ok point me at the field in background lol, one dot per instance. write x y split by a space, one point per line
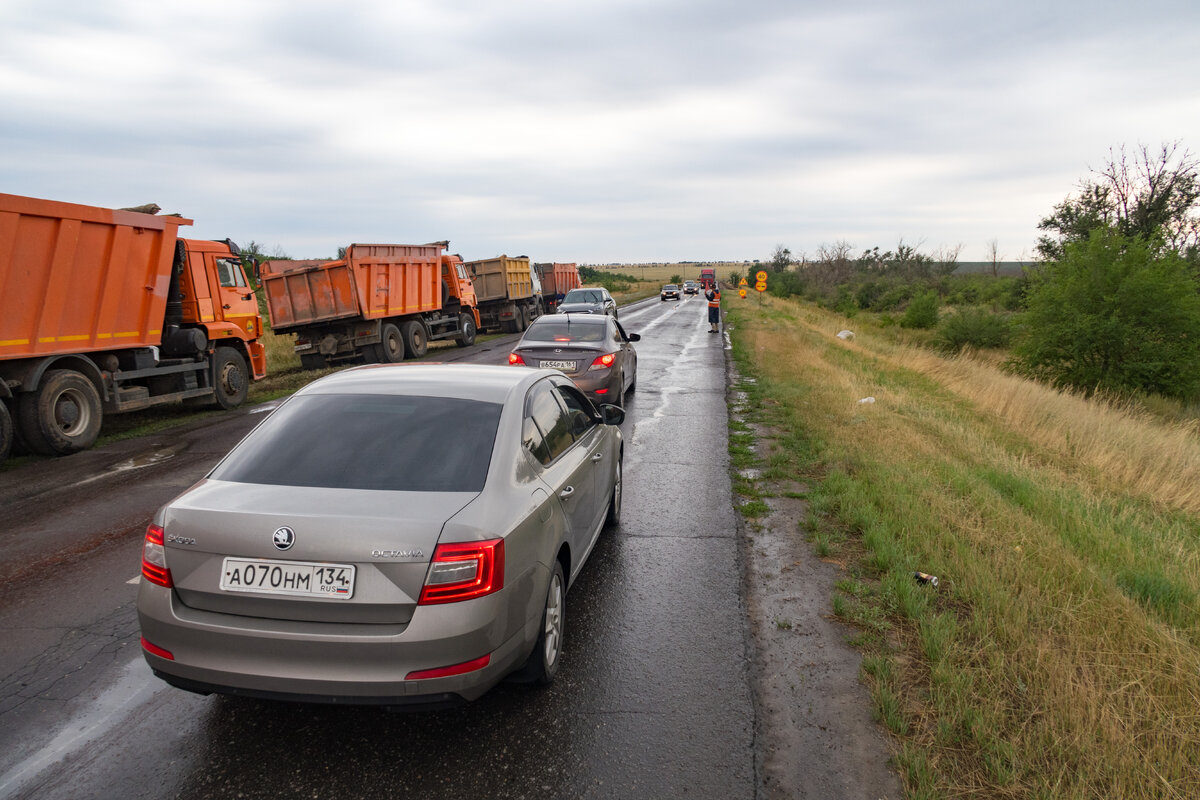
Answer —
1059 656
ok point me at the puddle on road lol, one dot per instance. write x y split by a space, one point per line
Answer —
141 460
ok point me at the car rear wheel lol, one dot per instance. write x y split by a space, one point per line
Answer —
614 506
543 662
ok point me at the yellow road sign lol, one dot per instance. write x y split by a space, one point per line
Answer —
741 292
761 277
743 282
761 286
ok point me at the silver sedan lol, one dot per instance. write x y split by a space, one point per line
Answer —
393 534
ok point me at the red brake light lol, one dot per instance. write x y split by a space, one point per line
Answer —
515 360
455 669
604 361
155 650
464 571
154 558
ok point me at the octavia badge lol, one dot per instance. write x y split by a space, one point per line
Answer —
284 538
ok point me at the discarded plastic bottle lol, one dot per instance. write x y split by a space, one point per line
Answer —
925 578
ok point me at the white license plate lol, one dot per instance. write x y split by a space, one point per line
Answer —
299 578
565 366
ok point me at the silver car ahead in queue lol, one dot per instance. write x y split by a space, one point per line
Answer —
393 534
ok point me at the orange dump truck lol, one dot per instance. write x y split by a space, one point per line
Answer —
557 280
379 304
105 311
509 295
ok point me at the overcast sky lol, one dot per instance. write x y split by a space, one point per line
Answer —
621 130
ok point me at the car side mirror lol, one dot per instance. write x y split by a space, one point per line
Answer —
612 415
634 337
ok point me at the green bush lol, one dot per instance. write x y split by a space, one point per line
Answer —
922 312
1116 314
973 327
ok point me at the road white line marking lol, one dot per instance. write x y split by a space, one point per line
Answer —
134 686
135 580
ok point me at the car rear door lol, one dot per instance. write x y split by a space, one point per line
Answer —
567 466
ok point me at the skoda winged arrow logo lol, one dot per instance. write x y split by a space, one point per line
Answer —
284 538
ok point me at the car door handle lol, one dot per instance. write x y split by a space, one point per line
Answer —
597 456
567 492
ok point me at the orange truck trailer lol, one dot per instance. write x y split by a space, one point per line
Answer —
508 293
379 304
557 280
104 311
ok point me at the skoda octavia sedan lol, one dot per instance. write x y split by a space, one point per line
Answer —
392 534
588 301
594 352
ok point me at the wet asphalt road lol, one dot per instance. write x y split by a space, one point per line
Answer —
653 698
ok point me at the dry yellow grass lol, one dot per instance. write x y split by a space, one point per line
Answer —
1066 535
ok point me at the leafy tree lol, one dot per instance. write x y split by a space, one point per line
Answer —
972 327
1115 313
676 279
922 312
1148 194
781 259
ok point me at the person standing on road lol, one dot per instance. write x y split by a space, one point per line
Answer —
713 295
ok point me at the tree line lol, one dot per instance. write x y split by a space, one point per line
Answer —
1110 303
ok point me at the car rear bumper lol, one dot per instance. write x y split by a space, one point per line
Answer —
338 663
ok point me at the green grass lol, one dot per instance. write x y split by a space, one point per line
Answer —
1060 654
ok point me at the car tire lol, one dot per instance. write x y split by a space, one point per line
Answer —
614 506
416 339
63 416
542 665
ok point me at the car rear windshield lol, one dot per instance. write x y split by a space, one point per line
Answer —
384 442
583 296
553 330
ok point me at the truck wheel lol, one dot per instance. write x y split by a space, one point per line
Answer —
522 322
416 339
63 416
466 327
232 379
312 361
7 434
391 344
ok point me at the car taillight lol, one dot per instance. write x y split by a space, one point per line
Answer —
464 571
154 649
604 361
154 558
453 669
515 360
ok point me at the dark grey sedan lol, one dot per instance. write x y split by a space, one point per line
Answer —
593 351
588 301
393 534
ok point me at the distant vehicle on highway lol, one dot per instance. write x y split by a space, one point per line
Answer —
588 301
391 535
691 287
669 292
594 351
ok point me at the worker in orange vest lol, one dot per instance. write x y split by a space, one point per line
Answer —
713 296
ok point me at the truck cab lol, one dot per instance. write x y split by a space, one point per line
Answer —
458 285
218 297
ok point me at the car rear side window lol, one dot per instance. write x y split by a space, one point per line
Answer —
552 420
383 442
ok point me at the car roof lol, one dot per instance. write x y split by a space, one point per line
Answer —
481 382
